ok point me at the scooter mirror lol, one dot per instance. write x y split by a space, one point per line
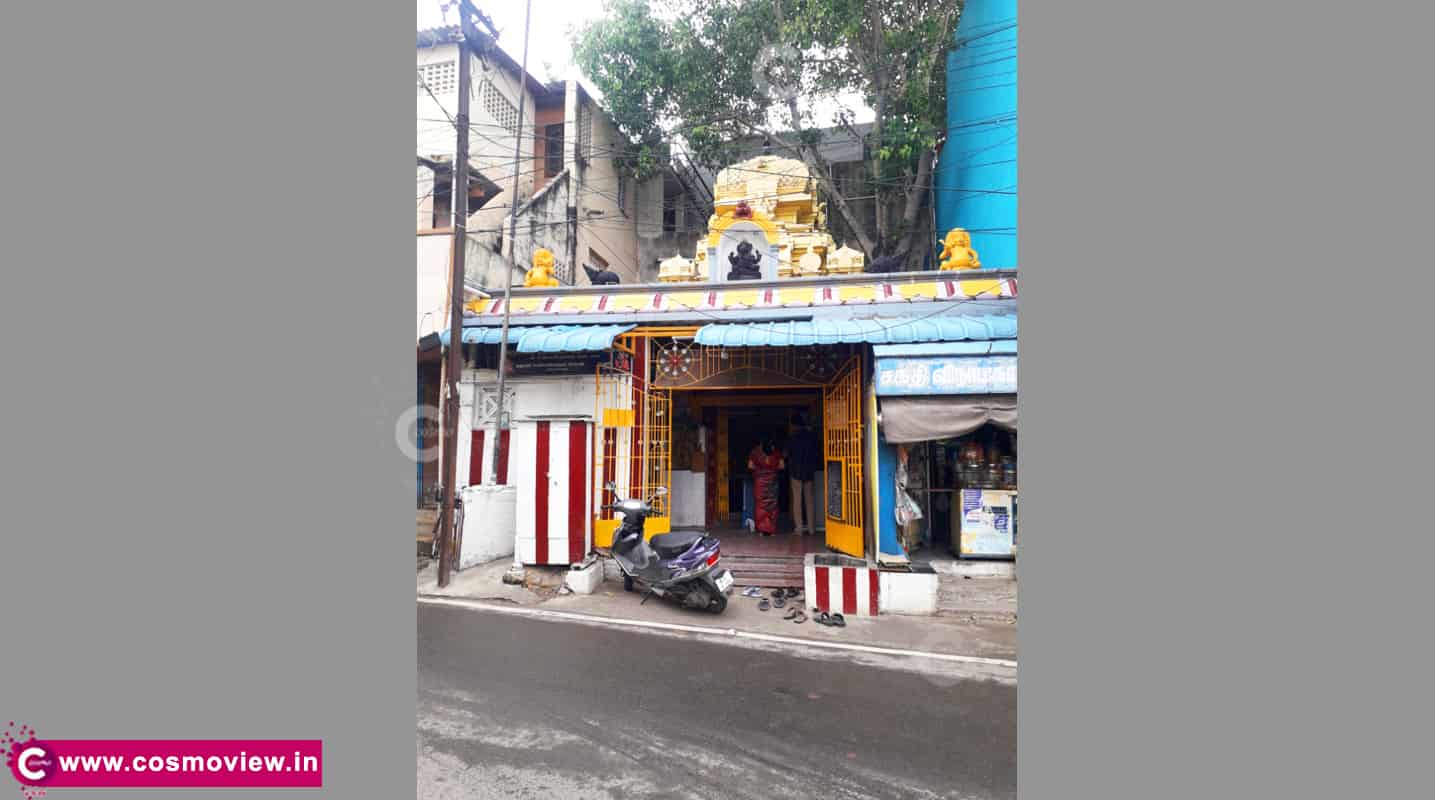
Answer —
660 491
610 486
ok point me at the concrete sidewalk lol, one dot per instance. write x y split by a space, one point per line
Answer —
981 622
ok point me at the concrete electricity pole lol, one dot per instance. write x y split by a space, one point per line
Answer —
453 365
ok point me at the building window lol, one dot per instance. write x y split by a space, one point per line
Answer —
498 107
670 217
585 131
552 150
440 78
442 199
441 195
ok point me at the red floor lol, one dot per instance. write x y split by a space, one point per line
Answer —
738 541
766 561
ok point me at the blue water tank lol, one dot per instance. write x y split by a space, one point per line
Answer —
976 177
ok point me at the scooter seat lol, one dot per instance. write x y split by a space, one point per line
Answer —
672 545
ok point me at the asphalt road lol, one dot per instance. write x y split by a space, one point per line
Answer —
518 707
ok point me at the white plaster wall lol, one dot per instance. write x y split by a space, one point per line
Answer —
432 283
906 593
489 523
566 396
490 146
603 225
689 499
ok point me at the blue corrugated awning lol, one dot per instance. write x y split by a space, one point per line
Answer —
546 338
851 331
570 338
998 347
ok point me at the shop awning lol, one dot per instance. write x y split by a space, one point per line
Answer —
920 419
570 338
999 347
853 331
546 338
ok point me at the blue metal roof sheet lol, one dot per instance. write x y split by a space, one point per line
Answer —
871 331
546 338
570 339
993 348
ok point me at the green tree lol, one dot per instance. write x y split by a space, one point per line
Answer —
715 72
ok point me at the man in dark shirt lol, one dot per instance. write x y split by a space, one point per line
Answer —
804 459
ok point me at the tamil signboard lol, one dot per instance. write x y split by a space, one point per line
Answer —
555 363
947 375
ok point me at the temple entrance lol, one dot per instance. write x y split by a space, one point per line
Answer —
715 435
695 418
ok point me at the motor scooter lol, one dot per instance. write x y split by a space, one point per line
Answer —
680 565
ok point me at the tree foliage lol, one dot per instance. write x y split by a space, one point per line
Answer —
715 73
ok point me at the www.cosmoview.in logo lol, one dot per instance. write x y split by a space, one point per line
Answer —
159 763
35 762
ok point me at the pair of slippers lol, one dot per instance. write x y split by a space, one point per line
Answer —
833 620
779 598
796 615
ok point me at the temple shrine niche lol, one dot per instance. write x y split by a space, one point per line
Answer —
769 204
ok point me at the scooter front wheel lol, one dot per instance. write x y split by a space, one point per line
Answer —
627 583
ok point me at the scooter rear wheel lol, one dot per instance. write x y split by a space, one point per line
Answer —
718 604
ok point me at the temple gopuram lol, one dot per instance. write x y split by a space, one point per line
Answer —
770 204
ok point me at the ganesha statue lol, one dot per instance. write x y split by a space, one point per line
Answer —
542 272
744 263
957 252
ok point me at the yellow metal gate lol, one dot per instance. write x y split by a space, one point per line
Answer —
842 459
655 443
632 448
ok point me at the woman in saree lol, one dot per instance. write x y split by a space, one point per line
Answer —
765 462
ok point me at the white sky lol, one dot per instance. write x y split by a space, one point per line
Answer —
549 54
549 51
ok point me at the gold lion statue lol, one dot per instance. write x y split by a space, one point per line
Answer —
542 272
957 252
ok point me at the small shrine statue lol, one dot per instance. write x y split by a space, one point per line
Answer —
744 263
957 252
677 270
601 277
542 272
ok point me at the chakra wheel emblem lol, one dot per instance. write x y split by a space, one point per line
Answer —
675 361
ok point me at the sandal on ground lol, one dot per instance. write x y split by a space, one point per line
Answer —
822 618
799 617
792 612
779 603
778 592
793 591
838 621
763 605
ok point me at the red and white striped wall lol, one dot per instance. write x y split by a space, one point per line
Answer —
479 455
550 461
843 588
